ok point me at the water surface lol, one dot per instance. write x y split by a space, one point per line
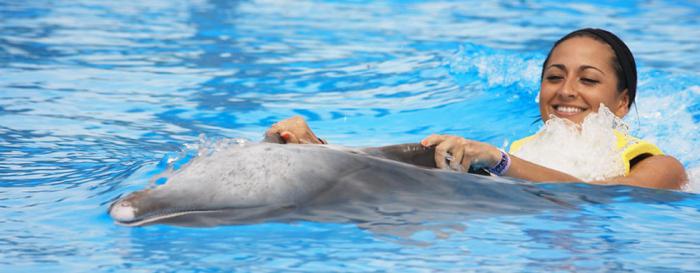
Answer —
96 96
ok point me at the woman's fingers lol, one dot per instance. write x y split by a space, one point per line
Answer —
456 162
432 140
441 155
443 146
293 130
466 163
446 149
274 129
289 137
461 153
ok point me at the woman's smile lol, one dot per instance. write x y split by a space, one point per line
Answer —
566 111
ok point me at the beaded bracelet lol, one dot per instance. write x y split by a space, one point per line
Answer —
502 167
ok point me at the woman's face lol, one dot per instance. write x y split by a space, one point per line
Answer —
578 77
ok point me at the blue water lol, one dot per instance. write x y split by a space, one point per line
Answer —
96 95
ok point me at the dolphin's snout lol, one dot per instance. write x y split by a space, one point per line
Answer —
123 211
129 208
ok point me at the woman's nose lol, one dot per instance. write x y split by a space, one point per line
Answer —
568 89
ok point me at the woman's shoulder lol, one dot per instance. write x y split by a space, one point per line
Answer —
648 166
659 171
633 149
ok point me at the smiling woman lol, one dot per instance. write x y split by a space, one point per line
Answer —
578 77
587 72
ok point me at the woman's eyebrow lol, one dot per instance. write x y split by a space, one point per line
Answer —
584 67
581 68
560 66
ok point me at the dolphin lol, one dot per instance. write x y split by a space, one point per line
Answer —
255 182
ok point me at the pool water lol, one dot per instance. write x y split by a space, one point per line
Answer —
97 96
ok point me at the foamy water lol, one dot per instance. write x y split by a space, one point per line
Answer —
588 151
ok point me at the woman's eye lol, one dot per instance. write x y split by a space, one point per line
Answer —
554 78
589 81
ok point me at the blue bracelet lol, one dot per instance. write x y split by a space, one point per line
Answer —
502 167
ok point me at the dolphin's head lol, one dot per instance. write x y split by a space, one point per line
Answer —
135 209
153 206
122 211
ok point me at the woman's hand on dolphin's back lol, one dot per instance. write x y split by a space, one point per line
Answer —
461 153
294 130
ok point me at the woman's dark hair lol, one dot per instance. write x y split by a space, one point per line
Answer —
623 61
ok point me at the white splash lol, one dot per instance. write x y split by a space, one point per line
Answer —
195 152
587 151
667 118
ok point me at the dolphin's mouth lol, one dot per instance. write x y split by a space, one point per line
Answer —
160 217
125 213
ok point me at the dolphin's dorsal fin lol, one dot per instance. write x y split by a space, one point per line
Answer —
411 153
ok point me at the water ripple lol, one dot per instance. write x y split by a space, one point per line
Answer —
93 94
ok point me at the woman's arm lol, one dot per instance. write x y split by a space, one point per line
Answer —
659 171
663 172
521 168
466 153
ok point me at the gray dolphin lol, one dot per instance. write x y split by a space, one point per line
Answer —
255 182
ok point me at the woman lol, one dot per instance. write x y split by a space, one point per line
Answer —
584 70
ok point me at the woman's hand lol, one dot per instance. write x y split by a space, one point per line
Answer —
462 153
294 130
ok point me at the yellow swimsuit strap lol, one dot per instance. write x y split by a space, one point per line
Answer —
631 147
516 145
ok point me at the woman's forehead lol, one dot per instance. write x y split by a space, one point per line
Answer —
582 51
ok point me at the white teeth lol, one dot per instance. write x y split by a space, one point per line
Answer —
568 109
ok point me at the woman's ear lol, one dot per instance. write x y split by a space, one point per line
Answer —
622 106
